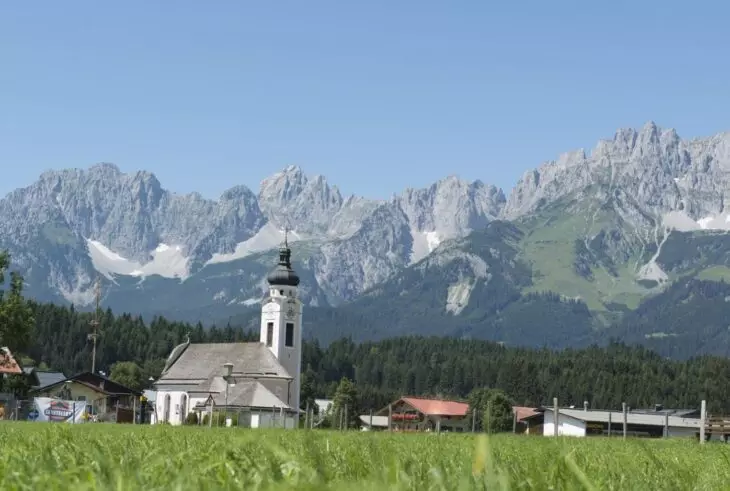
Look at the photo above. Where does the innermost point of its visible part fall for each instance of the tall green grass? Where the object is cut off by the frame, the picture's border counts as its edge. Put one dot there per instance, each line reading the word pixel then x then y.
pixel 123 457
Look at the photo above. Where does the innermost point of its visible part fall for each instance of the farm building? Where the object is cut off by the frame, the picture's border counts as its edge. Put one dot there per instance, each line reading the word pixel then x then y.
pixel 419 414
pixel 655 423
pixel 374 423
pixel 522 417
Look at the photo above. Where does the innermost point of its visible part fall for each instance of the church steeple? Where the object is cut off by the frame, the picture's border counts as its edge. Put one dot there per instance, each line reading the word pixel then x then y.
pixel 283 274
pixel 281 321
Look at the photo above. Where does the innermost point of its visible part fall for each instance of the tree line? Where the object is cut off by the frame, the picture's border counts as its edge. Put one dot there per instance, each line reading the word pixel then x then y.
pixel 385 370
pixel 133 351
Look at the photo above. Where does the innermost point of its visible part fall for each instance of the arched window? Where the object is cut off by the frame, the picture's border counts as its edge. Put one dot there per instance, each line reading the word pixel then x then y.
pixel 183 408
pixel 166 410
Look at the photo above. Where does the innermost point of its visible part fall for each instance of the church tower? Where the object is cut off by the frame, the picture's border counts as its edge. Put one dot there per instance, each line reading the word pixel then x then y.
pixel 281 321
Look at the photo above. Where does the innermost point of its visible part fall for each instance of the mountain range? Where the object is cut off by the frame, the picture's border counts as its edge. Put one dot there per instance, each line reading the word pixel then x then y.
pixel 578 247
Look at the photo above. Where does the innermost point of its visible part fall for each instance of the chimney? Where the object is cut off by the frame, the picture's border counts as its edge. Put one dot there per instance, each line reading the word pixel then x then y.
pixel 585 406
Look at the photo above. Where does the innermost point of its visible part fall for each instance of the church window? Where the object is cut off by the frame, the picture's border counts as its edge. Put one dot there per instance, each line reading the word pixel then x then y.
pixel 289 335
pixel 281 292
pixel 269 334
pixel 183 408
pixel 166 409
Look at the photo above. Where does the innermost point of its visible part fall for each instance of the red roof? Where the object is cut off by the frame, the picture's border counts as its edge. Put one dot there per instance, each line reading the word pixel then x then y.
pixel 437 407
pixel 524 412
pixel 8 364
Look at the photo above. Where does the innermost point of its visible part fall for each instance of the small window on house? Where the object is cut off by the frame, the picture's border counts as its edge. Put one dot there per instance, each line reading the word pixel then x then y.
pixel 289 335
pixel 269 334
pixel 81 398
pixel 281 292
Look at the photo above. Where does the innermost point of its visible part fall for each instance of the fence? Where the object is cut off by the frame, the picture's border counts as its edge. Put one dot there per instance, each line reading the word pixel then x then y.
pixel 14 409
pixel 243 418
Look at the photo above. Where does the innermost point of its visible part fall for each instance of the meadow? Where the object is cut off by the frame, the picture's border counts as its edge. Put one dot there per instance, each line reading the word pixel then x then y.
pixel 124 457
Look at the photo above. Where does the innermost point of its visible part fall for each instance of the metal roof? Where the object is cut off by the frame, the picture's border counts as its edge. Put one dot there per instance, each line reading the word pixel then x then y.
pixel 46 379
pixel 651 419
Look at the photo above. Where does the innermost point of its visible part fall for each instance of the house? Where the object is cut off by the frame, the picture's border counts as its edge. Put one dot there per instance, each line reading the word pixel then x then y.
pixel 104 396
pixel 420 414
pixel 8 364
pixel 641 423
pixel 47 378
pixel 38 379
pixel 260 380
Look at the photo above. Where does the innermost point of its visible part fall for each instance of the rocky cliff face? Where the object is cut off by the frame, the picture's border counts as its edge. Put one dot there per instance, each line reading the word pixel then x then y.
pixel 72 224
pixel 659 171
pixel 615 205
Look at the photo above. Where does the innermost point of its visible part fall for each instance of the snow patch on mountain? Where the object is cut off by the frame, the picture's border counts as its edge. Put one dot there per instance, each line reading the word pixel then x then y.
pixel 424 244
pixel 268 237
pixel 680 221
pixel 167 261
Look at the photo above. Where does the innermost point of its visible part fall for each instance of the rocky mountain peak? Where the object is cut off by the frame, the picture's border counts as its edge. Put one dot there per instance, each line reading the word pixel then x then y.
pixel 452 206
pixel 306 204
pixel 650 164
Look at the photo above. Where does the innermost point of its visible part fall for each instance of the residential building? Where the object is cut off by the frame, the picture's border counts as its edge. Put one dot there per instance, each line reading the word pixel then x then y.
pixel 104 396
pixel 421 414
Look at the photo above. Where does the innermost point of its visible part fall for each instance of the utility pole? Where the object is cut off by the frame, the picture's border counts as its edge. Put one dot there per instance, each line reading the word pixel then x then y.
pixel 95 325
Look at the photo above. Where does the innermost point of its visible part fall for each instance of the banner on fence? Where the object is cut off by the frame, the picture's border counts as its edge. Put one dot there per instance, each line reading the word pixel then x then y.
pixel 58 410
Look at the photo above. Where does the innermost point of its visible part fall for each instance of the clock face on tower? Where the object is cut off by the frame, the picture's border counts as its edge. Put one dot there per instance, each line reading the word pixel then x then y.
pixel 290 312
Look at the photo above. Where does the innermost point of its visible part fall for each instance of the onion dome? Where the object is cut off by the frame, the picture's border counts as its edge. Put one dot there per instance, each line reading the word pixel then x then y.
pixel 283 274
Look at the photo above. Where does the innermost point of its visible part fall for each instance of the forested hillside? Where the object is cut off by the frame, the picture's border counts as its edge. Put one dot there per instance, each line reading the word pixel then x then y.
pixel 412 365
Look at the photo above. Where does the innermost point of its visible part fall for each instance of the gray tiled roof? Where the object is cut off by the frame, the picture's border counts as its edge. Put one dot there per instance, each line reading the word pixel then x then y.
pixel 249 394
pixel 214 384
pixel 199 362
pixel 49 378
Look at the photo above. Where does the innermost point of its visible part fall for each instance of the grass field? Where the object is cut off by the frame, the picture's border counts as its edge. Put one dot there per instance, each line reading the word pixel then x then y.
pixel 115 457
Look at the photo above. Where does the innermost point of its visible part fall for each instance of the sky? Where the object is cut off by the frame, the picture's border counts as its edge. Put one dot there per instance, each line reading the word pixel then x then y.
pixel 377 96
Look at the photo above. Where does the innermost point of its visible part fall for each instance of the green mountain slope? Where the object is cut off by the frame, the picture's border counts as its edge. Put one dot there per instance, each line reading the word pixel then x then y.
pixel 689 318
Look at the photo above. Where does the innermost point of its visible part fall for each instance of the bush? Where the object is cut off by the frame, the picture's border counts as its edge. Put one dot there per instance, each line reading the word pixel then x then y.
pixel 191 419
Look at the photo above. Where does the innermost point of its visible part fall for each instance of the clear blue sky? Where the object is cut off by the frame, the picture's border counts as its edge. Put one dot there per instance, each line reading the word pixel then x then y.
pixel 376 95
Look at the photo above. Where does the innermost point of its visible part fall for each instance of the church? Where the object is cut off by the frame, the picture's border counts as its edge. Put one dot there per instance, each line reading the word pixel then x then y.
pixel 260 380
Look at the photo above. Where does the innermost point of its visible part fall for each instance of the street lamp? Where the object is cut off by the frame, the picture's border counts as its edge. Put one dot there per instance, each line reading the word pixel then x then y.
pixel 228 371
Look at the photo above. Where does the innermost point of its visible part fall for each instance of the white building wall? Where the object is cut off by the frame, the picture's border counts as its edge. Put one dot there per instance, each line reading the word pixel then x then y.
pixel 267 420
pixel 276 311
pixel 177 413
pixel 567 426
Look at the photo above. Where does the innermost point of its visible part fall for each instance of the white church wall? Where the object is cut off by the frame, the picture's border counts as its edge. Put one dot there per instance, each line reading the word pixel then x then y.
pixel 177 413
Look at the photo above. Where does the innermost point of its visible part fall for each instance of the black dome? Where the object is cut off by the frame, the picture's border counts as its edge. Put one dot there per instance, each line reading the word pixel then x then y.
pixel 283 274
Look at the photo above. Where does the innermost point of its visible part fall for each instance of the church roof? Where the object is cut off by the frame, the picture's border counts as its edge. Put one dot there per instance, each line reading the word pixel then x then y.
pixel 283 274
pixel 200 362
pixel 249 393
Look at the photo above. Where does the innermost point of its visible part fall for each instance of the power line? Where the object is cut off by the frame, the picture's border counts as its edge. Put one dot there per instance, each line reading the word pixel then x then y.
pixel 95 325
